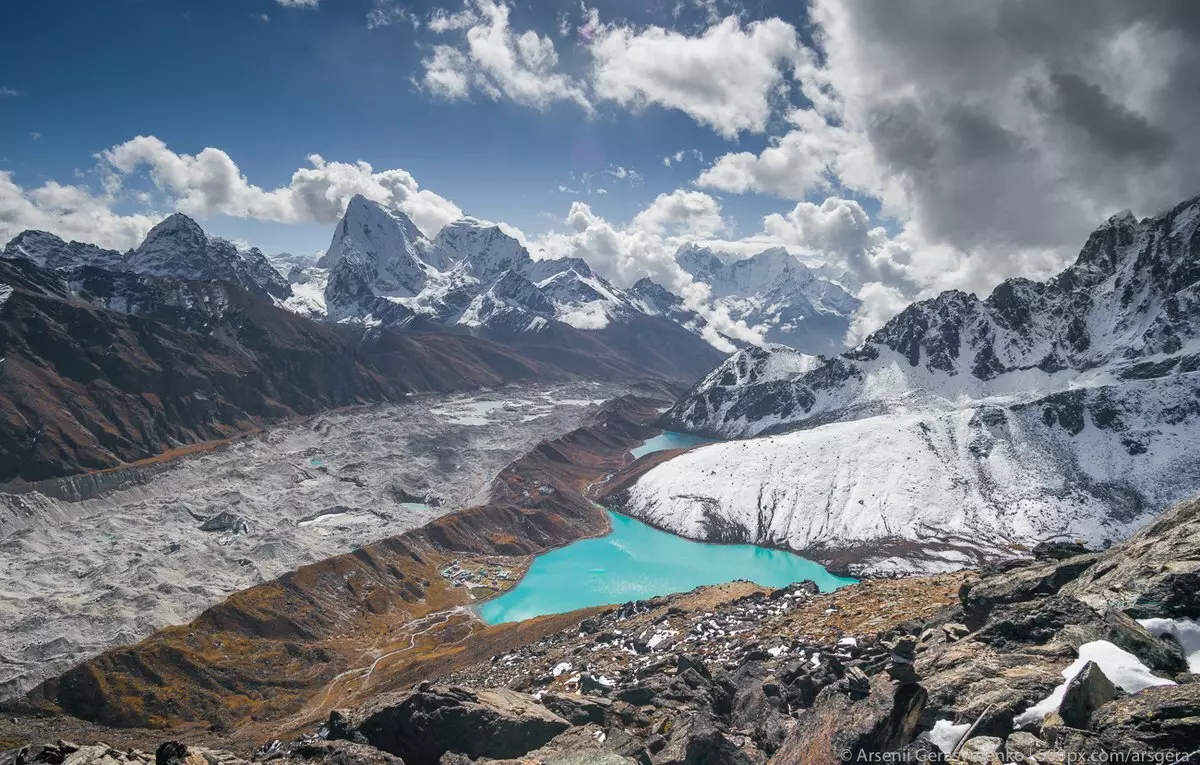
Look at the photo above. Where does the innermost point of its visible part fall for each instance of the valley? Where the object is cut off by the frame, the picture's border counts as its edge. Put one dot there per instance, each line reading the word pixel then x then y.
pixel 429 483
pixel 85 569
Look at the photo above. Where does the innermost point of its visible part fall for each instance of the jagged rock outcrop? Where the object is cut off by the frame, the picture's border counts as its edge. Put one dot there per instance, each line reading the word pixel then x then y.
pixel 423 725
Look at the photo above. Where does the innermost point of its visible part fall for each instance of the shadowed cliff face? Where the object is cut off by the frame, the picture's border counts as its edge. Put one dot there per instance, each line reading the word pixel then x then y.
pixel 353 625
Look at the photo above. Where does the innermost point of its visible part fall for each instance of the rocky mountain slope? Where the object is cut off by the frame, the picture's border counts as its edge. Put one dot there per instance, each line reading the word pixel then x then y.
pixel 166 363
pixel 108 358
pixel 963 426
pixel 1066 656
pixel 797 305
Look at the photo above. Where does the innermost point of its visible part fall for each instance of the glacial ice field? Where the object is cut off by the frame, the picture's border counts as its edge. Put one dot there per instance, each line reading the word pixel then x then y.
pixel 79 577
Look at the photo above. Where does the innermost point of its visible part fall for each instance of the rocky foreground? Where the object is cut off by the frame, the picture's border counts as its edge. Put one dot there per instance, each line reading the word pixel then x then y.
pixel 1068 656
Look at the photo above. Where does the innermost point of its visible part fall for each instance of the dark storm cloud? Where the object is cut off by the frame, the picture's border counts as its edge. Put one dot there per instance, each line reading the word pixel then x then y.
pixel 1111 127
pixel 1009 125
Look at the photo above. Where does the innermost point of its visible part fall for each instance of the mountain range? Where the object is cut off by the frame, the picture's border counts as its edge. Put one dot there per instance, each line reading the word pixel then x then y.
pixel 110 357
pixel 964 428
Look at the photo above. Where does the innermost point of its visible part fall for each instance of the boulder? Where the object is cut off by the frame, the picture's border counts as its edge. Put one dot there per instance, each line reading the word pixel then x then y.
pixel 1154 573
pixel 226 521
pixel 337 753
pixel 1021 745
pixel 424 724
pixel 697 739
pixel 585 745
pixel 1087 692
pixel 967 681
pixel 1019 585
pixel 1059 550
pixel 577 710
pixel 1163 718
pixel 981 750
pixel 837 724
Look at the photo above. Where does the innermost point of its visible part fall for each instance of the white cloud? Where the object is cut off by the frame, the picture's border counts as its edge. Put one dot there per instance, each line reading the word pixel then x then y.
pixel 441 20
pixel 203 185
pixel 496 61
pixel 801 161
pixel 387 12
pixel 210 183
pixel 298 3
pixel 448 73
pixel 681 213
pixel 724 78
pixel 7 92
pixel 642 249
pixel 997 135
pixel 681 155
pixel 72 212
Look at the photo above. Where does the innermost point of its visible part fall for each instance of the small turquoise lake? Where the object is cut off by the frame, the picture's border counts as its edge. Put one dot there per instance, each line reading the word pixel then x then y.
pixel 637 561
pixel 668 440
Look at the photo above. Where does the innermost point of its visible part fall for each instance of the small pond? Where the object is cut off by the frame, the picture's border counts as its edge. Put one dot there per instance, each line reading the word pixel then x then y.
pixel 668 440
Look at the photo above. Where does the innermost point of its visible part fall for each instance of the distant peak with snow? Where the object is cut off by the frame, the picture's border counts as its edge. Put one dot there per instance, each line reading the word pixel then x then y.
pixel 797 305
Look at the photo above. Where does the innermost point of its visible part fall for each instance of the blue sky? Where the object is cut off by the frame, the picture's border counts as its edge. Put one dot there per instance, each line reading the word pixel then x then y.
pixel 911 147
pixel 270 85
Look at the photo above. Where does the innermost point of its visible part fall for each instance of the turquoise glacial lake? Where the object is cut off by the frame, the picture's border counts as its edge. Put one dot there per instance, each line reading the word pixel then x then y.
pixel 637 561
pixel 668 440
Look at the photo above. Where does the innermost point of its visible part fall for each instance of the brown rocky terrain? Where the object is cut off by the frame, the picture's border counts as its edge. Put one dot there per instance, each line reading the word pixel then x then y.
pixel 279 655
pixel 739 674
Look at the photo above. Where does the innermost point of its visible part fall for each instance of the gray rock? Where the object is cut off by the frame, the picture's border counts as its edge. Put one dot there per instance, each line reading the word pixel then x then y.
pixel 1021 744
pixel 424 724
pixel 1163 718
pixel 696 739
pixel 981 750
pixel 1020 585
pixel 1155 573
pixel 577 710
pixel 883 721
pixel 226 521
pixel 1087 692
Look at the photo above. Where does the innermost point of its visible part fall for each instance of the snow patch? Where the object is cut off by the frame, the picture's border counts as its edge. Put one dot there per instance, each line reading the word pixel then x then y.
pixel 945 734
pixel 1124 669
pixel 1186 631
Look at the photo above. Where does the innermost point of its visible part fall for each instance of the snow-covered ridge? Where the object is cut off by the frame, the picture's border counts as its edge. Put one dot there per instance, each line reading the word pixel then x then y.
pixel 1129 307
pixel 964 427
pixel 176 248
pixel 471 274
pixel 799 306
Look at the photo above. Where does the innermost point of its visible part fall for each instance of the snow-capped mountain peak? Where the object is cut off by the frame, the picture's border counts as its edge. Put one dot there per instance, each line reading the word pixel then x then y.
pixel 479 248
pixel 374 253
pixel 50 251
pixel 176 248
pixel 795 303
